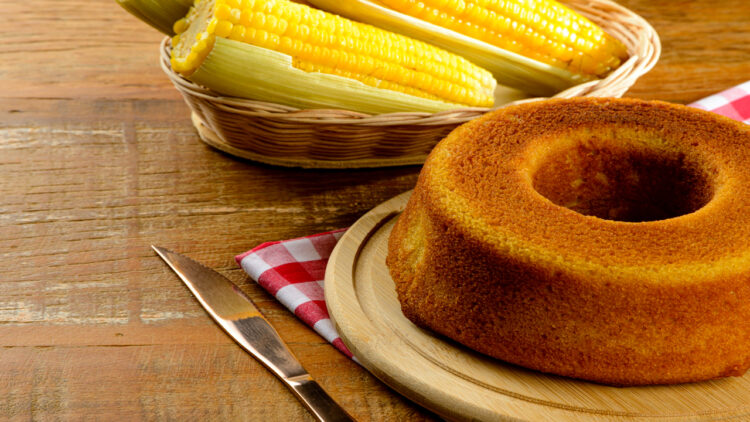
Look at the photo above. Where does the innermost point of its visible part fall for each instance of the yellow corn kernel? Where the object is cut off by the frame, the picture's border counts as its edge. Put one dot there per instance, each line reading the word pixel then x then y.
pixel 180 26
pixel 326 43
pixel 238 33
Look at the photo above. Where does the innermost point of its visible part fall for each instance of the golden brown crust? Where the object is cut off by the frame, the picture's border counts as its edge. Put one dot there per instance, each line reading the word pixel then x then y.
pixel 482 257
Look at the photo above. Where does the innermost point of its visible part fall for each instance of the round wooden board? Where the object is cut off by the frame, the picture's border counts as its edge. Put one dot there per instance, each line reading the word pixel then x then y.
pixel 460 384
pixel 211 138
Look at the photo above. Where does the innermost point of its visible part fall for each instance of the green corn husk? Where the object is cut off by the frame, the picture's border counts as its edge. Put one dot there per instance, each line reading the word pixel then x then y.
pixel 160 14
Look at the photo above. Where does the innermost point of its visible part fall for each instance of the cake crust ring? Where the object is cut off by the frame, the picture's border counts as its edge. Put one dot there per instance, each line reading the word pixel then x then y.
pixel 602 239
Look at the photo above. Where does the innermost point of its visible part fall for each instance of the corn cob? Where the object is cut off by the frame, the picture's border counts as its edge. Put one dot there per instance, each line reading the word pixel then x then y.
pixel 318 42
pixel 544 30
pixel 539 46
pixel 161 14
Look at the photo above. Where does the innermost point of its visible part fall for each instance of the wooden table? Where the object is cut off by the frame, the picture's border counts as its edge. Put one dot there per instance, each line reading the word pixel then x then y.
pixel 98 160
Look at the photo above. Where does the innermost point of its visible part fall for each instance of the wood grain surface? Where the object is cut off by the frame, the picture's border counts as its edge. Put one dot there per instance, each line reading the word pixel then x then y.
pixel 98 160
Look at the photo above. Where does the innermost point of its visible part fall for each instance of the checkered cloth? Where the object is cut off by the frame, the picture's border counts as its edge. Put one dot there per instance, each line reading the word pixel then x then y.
pixel 733 103
pixel 293 270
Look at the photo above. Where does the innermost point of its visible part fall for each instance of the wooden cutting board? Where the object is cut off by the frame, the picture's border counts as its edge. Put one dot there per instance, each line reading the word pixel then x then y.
pixel 460 384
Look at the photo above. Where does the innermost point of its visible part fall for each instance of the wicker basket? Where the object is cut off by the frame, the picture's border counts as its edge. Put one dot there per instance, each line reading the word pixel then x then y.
pixel 280 135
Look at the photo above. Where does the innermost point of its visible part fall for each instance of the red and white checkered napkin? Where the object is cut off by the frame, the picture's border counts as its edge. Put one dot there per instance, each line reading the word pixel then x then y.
pixel 733 103
pixel 293 270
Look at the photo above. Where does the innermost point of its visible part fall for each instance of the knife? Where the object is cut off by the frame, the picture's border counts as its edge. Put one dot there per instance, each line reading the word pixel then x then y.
pixel 242 320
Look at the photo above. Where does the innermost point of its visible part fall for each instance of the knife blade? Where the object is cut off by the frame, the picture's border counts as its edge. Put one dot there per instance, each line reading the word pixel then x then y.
pixel 242 320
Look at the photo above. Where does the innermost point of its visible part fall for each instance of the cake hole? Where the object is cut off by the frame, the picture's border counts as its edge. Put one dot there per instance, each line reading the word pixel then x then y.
pixel 623 184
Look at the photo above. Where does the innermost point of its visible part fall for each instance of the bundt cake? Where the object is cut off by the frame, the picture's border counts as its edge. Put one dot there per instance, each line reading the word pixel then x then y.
pixel 601 239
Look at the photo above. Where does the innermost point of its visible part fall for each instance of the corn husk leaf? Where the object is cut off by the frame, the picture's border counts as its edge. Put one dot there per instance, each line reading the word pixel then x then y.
pixel 160 14
pixel 242 70
pixel 509 68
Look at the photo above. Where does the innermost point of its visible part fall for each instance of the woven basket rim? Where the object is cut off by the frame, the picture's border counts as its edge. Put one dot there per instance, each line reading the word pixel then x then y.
pixel 636 33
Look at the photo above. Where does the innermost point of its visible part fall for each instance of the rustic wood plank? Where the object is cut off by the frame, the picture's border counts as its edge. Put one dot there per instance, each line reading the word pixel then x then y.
pixel 704 48
pixel 98 160
pixel 90 207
